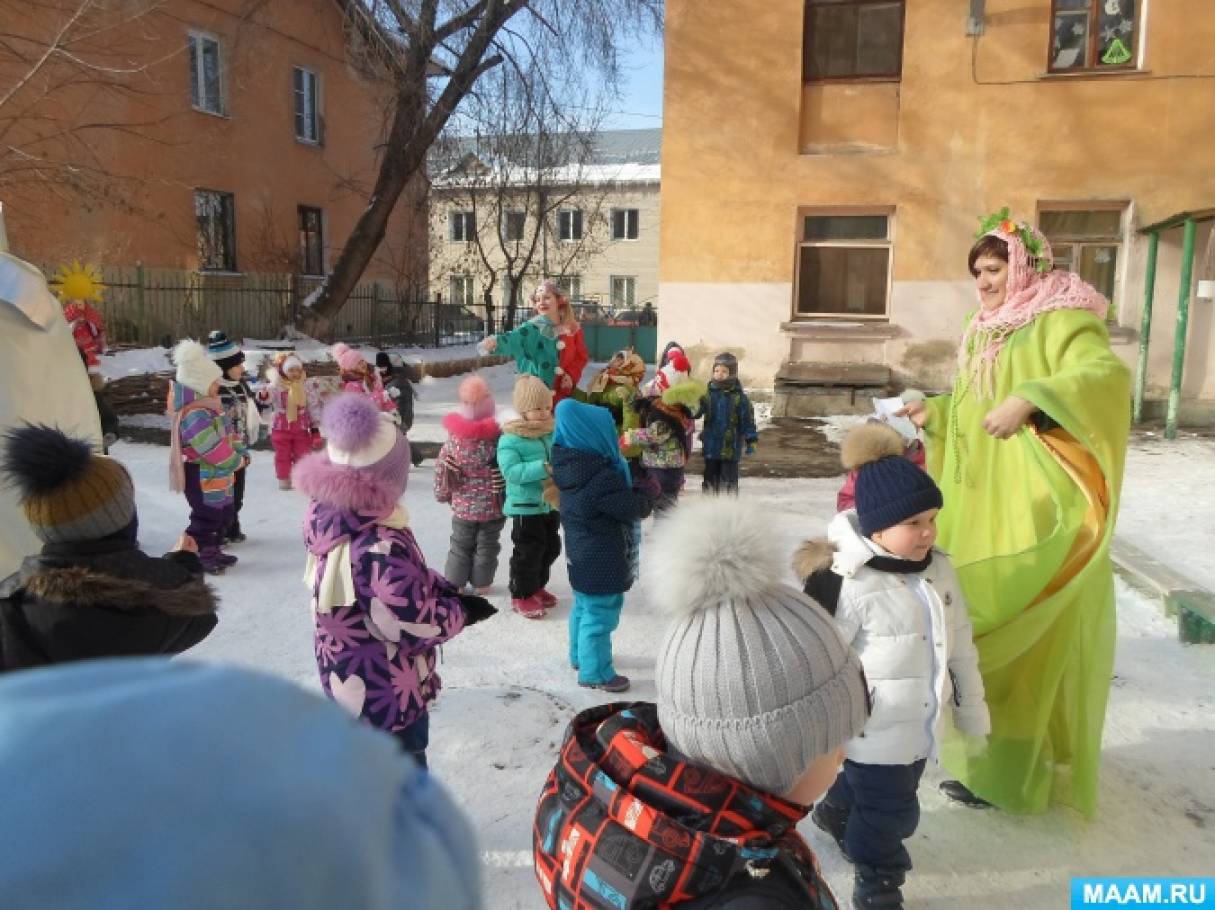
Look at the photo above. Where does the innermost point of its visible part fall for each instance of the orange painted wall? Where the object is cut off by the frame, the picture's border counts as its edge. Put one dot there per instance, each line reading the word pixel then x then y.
pixel 250 152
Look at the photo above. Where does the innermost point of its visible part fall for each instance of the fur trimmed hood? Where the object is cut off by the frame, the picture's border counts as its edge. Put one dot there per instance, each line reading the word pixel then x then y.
pixel 812 556
pixel 75 586
pixel 456 424
pixel 365 490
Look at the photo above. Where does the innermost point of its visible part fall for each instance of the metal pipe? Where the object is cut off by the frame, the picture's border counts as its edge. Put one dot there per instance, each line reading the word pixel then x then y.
pixel 1183 323
pixel 1145 326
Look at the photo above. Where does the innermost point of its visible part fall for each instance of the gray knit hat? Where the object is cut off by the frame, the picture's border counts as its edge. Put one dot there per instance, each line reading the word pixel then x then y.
pixel 753 678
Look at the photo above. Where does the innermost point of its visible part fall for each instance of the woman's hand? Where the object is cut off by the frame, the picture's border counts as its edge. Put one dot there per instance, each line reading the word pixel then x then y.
pixel 915 412
pixel 489 345
pixel 1009 416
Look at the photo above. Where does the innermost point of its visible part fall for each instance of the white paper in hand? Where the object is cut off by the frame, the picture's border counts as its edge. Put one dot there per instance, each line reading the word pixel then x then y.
pixel 884 409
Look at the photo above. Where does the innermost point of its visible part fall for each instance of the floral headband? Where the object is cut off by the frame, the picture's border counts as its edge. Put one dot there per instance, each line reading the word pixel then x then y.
pixel 1032 241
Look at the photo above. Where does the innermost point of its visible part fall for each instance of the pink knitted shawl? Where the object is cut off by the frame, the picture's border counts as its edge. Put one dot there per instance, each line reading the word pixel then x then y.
pixel 1030 294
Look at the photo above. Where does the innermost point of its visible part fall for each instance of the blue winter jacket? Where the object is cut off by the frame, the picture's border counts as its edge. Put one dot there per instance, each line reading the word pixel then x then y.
pixel 729 421
pixel 598 509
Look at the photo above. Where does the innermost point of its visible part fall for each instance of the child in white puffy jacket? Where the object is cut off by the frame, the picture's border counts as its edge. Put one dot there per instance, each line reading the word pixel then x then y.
pixel 898 602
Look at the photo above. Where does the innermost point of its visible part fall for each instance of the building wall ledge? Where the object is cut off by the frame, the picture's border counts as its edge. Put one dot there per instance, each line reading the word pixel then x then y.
pixel 841 331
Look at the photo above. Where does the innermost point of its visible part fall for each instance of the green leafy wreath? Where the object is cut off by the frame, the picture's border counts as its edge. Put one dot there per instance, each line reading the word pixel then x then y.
pixel 1002 221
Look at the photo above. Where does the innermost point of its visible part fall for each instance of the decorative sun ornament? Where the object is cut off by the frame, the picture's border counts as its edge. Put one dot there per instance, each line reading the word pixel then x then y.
pixel 78 282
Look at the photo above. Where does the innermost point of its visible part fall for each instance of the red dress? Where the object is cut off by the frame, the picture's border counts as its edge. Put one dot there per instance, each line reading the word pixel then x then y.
pixel 572 358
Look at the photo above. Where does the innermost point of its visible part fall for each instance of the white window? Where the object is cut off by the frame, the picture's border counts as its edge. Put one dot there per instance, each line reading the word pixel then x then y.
pixel 462 290
pixel 624 224
pixel 843 265
pixel 206 74
pixel 1087 241
pixel 307 102
pixel 214 214
pixel 573 286
pixel 569 224
pixel 513 224
pixel 624 291
pixel 463 227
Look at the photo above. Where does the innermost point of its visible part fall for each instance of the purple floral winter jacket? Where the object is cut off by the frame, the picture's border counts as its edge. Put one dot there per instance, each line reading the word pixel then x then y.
pixel 464 470
pixel 376 656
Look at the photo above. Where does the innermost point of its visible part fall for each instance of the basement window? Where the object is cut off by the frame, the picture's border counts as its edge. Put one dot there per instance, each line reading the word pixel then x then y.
pixel 843 266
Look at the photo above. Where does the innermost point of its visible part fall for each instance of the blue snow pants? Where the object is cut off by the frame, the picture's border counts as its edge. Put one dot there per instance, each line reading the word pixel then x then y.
pixel 592 620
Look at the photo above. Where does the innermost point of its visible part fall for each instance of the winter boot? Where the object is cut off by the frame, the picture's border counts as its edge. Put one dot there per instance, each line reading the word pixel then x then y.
pixel 548 601
pixel 227 560
pixel 617 683
pixel 960 793
pixel 210 559
pixel 416 456
pixel 527 607
pixel 234 534
pixel 284 483
pixel 877 889
pixel 833 820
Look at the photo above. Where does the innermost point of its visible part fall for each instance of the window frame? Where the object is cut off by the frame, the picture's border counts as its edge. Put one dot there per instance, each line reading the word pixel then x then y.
pixel 575 215
pixel 636 213
pixel 895 76
pixel 316 96
pixel 1120 241
pixel 887 244
pixel 229 264
pixel 572 284
pixel 468 282
pixel 300 211
pixel 197 79
pixel 629 303
pixel 1094 14
pixel 506 221
pixel 465 218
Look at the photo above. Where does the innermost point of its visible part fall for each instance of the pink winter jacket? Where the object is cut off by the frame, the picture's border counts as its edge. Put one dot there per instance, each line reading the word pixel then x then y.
pixel 465 468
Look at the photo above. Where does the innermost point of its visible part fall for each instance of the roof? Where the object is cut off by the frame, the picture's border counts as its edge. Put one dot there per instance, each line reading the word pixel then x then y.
pixel 616 156
pixel 1179 219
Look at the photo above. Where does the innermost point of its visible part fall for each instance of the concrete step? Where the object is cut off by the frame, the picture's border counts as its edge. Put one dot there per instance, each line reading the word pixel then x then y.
pixel 1192 604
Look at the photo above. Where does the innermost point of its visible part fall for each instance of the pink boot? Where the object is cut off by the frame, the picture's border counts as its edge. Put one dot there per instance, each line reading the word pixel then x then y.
pixel 546 600
pixel 527 607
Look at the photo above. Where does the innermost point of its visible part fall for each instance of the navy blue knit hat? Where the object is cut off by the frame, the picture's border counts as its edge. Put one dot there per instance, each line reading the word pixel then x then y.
pixel 224 352
pixel 889 488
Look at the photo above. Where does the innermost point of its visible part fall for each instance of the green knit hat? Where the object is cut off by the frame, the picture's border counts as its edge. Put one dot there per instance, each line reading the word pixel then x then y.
pixel 67 492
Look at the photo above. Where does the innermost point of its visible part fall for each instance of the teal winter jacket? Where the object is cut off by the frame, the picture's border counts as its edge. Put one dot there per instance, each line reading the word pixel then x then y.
pixel 522 460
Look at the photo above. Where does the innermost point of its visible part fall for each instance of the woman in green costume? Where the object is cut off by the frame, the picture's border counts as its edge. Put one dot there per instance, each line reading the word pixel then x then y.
pixel 1028 450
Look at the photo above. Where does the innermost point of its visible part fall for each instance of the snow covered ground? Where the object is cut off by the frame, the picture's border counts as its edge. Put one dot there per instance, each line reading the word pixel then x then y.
pixel 509 694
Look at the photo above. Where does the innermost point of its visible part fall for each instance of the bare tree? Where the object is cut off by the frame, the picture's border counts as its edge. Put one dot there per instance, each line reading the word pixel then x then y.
pixel 434 53
pixel 531 155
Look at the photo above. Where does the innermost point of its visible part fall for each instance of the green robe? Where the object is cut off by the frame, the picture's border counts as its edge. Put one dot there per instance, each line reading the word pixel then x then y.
pixel 1028 523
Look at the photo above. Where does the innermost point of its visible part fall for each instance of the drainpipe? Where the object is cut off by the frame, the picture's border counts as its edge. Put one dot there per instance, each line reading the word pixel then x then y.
pixel 1145 328
pixel 1183 322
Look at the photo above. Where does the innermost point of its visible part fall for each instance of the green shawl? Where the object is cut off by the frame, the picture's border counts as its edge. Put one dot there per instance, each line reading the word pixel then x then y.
pixel 1030 539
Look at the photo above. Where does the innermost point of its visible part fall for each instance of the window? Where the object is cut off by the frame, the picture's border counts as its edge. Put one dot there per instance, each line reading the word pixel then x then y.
pixel 573 286
pixel 1093 34
pixel 624 224
pixel 206 81
pixel 624 291
pixel 462 290
pixel 852 39
pixel 512 225
pixel 312 241
pixel 215 215
pixel 307 94
pixel 569 224
pixel 463 227
pixel 1087 241
pixel 843 266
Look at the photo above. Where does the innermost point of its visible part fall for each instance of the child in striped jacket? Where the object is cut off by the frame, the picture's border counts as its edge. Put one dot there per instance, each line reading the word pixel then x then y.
pixel 205 453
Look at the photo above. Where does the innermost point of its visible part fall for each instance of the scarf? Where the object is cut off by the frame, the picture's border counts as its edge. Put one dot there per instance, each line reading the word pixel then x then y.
pixel 334 586
pixel 297 396
pixel 629 371
pixel 1030 294
pixel 177 470
pixel 529 429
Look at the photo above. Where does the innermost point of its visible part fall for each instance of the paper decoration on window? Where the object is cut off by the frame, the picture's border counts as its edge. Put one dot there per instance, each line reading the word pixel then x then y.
pixel 1102 257
pixel 1117 53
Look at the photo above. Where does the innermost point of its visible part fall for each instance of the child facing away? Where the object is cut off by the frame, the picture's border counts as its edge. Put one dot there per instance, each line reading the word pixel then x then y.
pixel 729 426
pixel 240 407
pixel 599 511
pixel 665 439
pixel 380 612
pixel 293 431
pixel 91 592
pixel 467 476
pixel 204 453
pixel 399 388
pixel 899 603
pixel 525 459
pixel 550 345
pixel 359 376
pixel 694 801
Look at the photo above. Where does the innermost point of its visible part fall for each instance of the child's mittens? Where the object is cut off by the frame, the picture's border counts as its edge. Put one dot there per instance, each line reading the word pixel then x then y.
pixel 476 608
pixel 497 481
pixel 487 346
pixel 394 393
